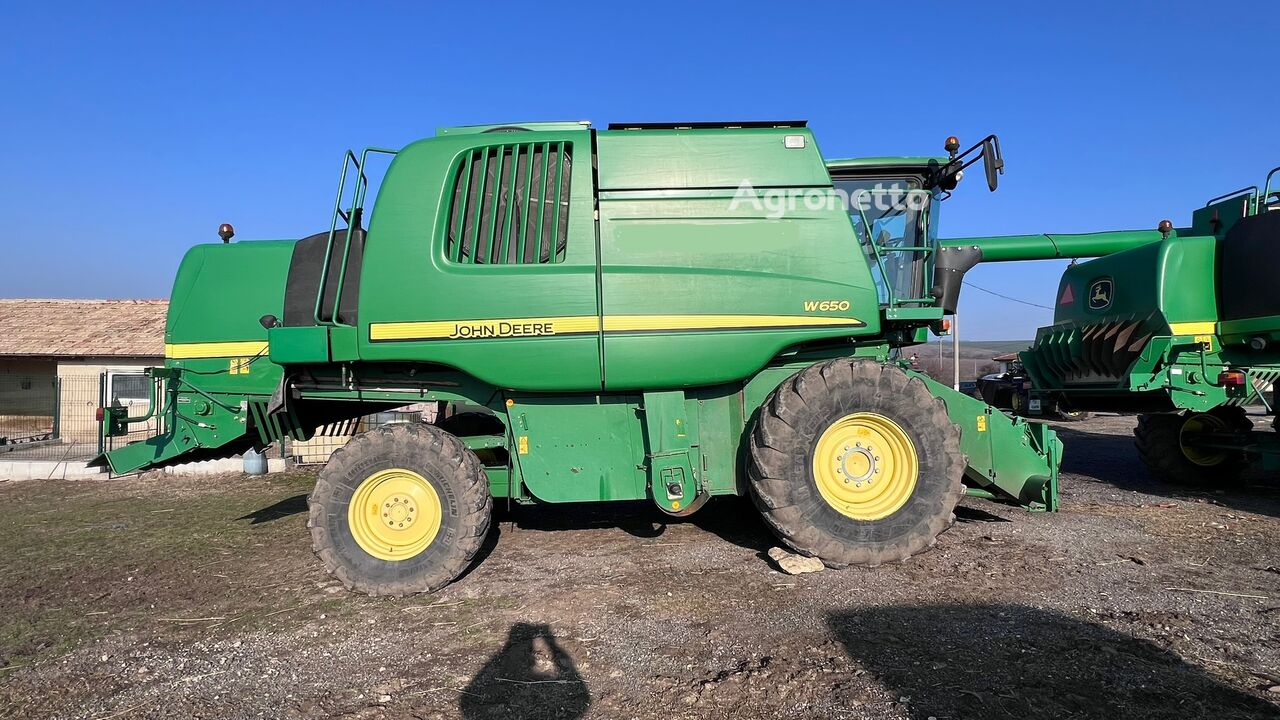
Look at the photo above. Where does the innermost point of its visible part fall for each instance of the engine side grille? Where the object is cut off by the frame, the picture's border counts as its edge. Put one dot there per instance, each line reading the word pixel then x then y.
pixel 510 204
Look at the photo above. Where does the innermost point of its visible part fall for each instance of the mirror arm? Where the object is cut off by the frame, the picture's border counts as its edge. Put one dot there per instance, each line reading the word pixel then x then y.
pixel 960 161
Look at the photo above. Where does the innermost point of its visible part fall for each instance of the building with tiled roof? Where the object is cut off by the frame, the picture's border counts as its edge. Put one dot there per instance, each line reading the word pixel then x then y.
pixel 82 328
pixel 61 359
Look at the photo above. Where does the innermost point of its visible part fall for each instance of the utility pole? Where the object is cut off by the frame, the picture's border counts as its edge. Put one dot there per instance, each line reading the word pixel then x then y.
pixel 955 349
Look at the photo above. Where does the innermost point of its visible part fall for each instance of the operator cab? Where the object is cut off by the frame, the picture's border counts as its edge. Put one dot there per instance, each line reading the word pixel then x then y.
pixel 890 214
pixel 893 204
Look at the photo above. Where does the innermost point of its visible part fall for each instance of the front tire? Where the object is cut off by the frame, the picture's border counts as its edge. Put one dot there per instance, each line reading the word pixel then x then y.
pixel 855 463
pixel 399 510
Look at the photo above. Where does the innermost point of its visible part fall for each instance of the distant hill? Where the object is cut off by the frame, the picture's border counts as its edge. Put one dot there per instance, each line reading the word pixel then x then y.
pixel 975 357
pixel 975 350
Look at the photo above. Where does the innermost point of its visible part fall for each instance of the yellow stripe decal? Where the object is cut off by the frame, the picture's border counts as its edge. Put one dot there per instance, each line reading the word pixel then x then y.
pixel 475 329
pixel 1192 328
pixel 586 324
pixel 246 348
pixel 652 323
pixel 533 327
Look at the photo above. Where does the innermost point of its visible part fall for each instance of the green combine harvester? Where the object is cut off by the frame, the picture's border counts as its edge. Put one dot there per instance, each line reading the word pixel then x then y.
pixel 1181 325
pixel 649 312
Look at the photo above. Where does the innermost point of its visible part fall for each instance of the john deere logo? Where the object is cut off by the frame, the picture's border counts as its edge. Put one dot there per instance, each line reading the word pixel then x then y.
pixel 1100 294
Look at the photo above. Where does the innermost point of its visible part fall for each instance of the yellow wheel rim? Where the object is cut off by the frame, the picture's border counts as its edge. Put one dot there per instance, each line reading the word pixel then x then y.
pixel 394 514
pixel 1198 424
pixel 865 466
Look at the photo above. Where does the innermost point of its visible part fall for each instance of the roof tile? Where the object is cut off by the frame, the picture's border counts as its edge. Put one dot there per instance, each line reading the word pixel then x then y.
pixel 83 327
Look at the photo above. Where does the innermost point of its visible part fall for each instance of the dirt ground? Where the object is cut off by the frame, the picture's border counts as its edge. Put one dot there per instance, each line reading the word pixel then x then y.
pixel 176 598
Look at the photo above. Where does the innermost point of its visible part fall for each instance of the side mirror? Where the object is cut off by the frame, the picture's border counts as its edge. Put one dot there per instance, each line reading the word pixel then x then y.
pixel 268 321
pixel 988 151
pixel 992 162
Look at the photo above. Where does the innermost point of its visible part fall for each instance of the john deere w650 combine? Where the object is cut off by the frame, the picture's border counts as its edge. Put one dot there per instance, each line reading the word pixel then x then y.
pixel 1179 324
pixel 654 312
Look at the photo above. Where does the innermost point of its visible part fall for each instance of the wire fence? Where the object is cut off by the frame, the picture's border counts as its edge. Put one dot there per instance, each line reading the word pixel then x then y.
pixel 55 417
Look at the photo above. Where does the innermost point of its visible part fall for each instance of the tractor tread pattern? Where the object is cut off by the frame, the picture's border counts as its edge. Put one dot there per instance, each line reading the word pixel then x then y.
pixel 454 464
pixel 779 469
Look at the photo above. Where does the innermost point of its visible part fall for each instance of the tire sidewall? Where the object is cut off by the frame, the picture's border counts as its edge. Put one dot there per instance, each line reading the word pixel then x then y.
pixel 1159 442
pixel 339 484
pixel 934 481
pixel 1017 403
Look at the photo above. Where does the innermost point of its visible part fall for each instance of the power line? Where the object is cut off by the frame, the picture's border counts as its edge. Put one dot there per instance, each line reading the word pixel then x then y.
pixel 1006 297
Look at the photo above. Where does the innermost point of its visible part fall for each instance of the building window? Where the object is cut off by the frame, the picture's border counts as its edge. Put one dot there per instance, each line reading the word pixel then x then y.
pixel 129 389
pixel 510 204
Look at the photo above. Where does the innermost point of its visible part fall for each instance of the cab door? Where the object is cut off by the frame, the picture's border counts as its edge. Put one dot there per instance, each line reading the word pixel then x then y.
pixel 503 284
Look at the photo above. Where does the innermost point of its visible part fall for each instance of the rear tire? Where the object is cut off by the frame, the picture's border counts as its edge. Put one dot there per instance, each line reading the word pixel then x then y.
pixel 1062 413
pixel 987 393
pixel 1017 403
pixel 417 477
pixel 1159 440
pixel 885 424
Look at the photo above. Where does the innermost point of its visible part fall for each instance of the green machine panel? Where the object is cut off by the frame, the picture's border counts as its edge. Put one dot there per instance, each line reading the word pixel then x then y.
pixel 725 281
pixel 580 448
pixel 449 276
pixel 726 158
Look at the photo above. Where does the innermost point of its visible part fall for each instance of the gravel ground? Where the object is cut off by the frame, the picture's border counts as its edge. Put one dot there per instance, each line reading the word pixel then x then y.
pixel 158 597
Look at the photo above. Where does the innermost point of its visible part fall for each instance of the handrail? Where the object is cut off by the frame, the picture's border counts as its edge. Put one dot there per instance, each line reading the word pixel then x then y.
pixel 1266 194
pixel 877 249
pixel 353 226
pixel 153 403
pixel 352 216
pixel 905 248
pixel 348 159
pixel 871 243
pixel 1252 190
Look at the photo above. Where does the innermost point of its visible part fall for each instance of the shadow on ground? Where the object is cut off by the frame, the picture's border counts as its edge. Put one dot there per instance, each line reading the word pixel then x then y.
pixel 284 508
pixel 1012 661
pixel 1107 457
pixel 530 677
pixel 1112 459
pixel 966 514
pixel 733 519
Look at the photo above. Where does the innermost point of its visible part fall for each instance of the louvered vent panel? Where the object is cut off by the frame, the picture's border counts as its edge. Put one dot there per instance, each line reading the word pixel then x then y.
pixel 511 204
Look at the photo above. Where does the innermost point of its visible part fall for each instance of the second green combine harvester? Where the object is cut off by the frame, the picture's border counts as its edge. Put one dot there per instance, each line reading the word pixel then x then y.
pixel 1179 324
pixel 647 312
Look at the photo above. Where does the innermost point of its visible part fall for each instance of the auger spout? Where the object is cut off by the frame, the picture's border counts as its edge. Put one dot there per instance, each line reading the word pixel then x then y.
pixel 1047 246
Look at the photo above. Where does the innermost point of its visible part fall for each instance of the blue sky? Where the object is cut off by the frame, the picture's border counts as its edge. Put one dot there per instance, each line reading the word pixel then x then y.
pixel 132 129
